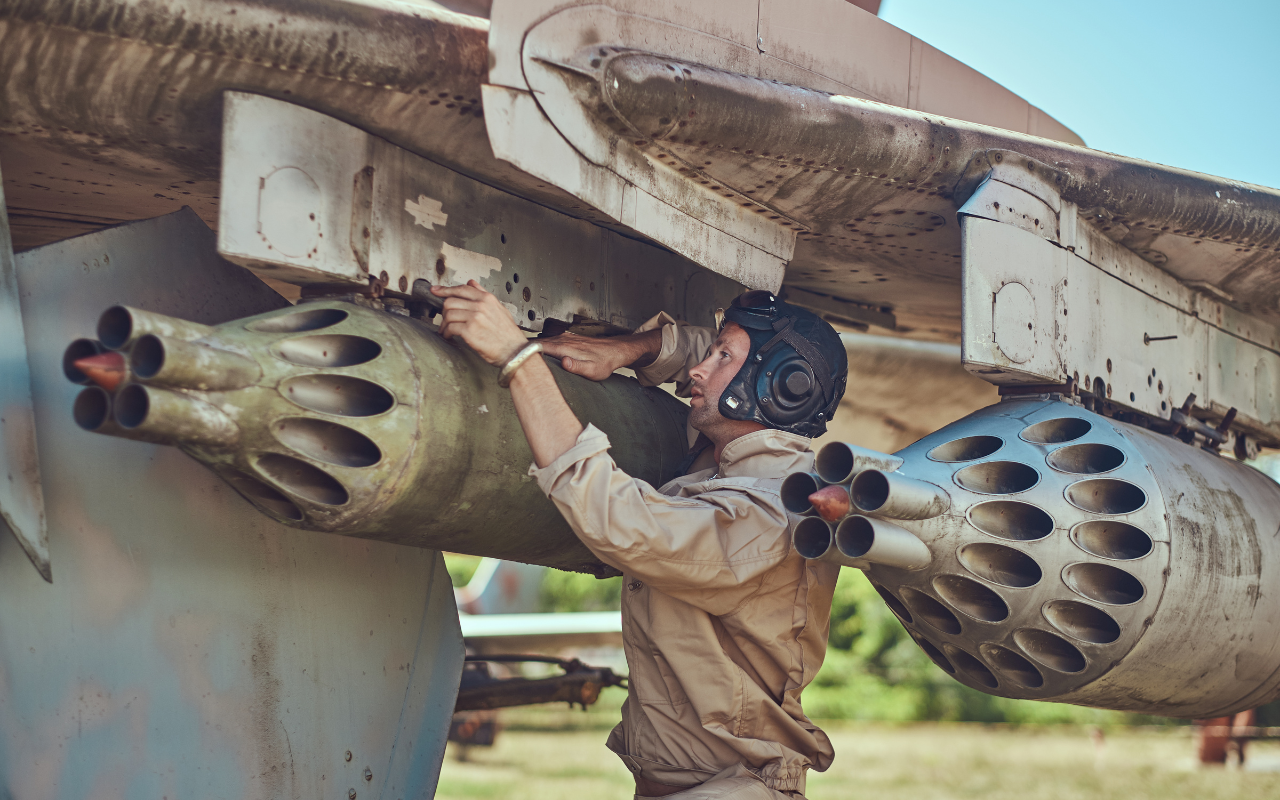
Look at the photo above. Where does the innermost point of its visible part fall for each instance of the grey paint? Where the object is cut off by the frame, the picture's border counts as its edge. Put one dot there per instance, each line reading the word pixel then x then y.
pixel 21 497
pixel 189 646
pixel 1180 626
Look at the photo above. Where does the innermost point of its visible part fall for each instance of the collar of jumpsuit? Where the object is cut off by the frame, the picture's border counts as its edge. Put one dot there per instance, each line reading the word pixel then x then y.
pixel 757 455
pixel 724 624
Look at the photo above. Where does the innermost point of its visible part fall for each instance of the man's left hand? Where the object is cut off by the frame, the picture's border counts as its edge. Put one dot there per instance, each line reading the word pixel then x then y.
pixel 478 318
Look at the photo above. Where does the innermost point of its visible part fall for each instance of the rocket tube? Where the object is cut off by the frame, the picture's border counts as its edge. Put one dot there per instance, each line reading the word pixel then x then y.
pixel 889 494
pixel 120 326
pixel 863 539
pixel 166 417
pixel 161 361
pixel 840 462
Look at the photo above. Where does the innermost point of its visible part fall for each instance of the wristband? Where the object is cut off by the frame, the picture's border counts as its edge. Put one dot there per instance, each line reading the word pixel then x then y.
pixel 514 363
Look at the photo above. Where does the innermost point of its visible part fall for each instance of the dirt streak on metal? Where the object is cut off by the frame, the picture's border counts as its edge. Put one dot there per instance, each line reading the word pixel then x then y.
pixel 126 97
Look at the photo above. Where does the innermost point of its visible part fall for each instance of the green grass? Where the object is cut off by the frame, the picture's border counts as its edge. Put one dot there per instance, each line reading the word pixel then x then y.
pixel 920 761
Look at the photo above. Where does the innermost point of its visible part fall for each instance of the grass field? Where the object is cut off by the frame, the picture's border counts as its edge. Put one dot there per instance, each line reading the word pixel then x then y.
pixel 557 755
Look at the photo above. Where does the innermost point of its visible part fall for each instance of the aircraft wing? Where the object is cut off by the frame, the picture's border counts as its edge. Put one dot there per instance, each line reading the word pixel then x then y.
pixel 806 145
pixel 768 153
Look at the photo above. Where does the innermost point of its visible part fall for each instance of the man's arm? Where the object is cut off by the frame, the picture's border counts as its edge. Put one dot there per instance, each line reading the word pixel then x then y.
pixel 479 319
pixel 598 358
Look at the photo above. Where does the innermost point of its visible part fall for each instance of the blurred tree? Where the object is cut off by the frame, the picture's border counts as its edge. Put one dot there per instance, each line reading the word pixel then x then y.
pixel 573 591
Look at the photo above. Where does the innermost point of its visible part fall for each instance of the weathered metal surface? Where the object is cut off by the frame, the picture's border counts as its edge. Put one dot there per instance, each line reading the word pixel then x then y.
pixel 366 423
pixel 568 139
pixel 1088 561
pixel 1036 312
pixel 21 495
pixel 124 95
pixel 189 645
pixel 112 108
pixel 869 185
pixel 834 45
pixel 309 199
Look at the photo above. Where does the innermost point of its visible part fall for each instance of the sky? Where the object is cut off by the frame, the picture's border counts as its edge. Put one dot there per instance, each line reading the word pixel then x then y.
pixel 1194 85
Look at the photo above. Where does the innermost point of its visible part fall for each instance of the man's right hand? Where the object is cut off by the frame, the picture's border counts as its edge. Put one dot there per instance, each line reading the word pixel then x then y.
pixel 597 358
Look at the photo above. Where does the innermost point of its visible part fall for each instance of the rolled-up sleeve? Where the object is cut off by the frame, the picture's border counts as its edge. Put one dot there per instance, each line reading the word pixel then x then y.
pixel 711 550
pixel 684 346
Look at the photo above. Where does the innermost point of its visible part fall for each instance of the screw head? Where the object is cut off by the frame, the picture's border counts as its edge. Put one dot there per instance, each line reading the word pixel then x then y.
pixel 368 774
pixel 351 794
pixel 348 755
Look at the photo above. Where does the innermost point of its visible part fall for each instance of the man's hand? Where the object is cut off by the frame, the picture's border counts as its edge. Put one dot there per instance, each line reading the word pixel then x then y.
pixel 597 358
pixel 479 319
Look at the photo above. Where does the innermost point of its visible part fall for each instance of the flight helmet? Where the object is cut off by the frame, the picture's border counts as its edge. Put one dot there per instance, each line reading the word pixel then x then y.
pixel 796 371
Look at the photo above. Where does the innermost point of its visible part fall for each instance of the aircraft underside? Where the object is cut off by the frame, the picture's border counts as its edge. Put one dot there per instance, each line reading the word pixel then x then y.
pixel 237 209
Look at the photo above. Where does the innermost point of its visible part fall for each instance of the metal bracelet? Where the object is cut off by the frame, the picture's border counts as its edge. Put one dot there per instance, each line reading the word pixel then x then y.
pixel 514 363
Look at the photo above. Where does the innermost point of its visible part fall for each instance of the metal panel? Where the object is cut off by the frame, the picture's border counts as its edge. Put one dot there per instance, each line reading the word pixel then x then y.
pixel 732 21
pixel 1039 313
pixel 714 227
pixel 191 647
pixel 350 207
pixel 21 496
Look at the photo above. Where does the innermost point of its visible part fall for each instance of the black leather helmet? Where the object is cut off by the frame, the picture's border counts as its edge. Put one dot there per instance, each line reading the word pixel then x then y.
pixel 797 369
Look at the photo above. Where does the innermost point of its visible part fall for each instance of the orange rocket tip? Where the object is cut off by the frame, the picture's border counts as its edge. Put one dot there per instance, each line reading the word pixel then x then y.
pixel 831 502
pixel 105 369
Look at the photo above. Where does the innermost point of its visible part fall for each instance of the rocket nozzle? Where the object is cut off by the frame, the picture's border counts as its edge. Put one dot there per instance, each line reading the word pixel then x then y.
pixel 104 369
pixel 831 502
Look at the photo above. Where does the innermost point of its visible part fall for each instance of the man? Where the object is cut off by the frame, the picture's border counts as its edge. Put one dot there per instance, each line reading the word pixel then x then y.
pixel 723 623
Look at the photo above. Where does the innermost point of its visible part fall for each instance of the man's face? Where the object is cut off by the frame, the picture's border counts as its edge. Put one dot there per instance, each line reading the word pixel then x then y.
pixel 728 354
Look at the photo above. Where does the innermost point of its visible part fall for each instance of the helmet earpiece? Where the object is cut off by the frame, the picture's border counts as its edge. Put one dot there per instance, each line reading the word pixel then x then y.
pixel 787 389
